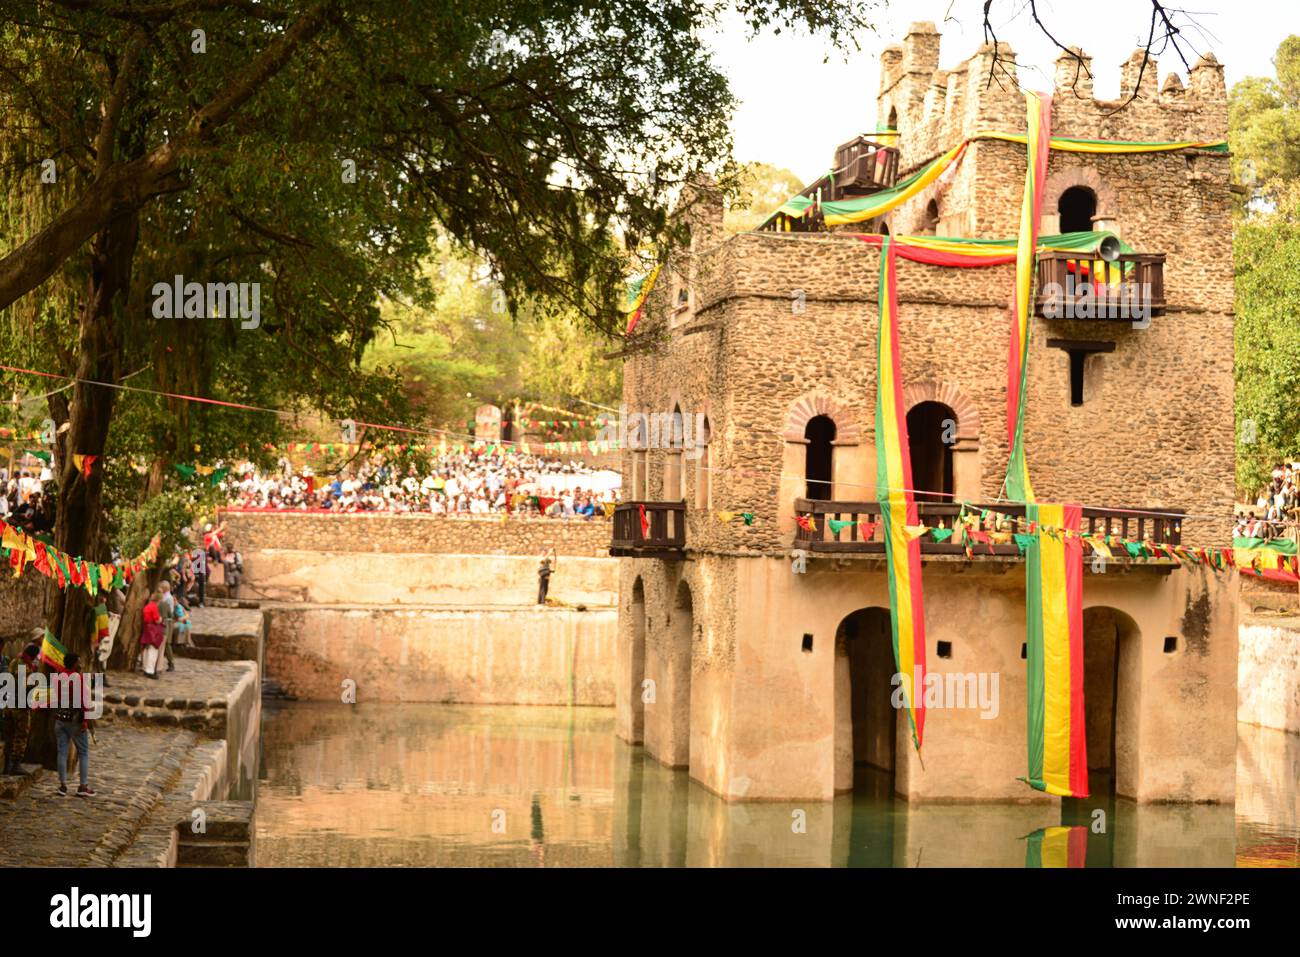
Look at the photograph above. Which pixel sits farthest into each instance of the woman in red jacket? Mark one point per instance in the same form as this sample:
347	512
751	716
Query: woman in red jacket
152	635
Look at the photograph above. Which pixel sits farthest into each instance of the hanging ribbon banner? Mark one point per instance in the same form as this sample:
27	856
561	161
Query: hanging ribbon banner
897	503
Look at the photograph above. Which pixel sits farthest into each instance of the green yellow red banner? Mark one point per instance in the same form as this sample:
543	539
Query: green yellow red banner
897	502
1058	757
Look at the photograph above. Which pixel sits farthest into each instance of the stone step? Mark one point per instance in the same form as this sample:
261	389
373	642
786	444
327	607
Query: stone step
223	822
201	652
234	602
12	785
213	854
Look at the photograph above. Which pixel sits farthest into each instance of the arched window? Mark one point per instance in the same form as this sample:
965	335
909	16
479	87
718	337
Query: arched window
931	433
703	470
1077	206
930	224
820	433
893	118
673	491
638	441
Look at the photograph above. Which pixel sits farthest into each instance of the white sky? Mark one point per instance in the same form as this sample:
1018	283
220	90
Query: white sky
795	109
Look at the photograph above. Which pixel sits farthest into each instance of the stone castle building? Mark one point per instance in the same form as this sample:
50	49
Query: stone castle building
774	685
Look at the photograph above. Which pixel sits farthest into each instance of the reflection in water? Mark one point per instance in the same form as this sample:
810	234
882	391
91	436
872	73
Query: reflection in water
447	785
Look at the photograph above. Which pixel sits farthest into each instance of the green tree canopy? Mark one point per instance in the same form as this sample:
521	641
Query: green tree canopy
761	189
1264	126
312	147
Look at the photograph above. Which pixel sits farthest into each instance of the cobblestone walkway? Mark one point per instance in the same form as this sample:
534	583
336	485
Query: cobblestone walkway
140	769
130	768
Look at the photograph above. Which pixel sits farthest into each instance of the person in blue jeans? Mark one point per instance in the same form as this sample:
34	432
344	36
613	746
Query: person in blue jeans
71	724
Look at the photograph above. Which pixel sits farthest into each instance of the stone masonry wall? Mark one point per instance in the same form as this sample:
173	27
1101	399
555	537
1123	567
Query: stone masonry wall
254	531
21	607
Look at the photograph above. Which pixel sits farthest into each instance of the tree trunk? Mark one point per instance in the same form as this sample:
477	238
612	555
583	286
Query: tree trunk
90	410
78	517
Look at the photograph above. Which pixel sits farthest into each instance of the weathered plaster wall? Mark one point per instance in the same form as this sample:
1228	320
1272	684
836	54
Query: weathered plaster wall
766	715
534	656
1268	692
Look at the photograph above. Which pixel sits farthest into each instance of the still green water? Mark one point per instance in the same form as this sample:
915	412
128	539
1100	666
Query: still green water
447	785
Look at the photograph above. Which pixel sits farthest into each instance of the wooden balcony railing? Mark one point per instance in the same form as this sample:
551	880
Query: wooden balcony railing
664	538
1164	527
862	166
1131	286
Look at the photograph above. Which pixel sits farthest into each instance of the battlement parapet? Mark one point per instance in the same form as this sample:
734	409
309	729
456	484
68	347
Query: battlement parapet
933	109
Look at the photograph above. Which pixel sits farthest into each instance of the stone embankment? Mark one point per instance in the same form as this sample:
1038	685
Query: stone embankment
426	608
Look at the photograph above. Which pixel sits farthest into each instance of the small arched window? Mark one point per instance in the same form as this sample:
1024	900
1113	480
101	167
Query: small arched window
1077	206
893	118
930	223
819	460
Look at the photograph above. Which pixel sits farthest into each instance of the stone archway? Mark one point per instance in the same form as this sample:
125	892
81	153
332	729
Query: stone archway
1066	178
847	429
965	431
845	470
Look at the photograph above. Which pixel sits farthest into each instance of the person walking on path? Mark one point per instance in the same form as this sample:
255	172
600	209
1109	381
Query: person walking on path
167	608
544	570
70	693
152	635
18	720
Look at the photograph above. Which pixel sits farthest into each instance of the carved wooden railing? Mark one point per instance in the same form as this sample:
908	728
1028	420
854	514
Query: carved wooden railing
862	166
1134	282
665	536
1164	527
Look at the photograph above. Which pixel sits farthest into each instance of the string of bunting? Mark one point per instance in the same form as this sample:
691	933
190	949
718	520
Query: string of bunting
21	549
593	446
975	527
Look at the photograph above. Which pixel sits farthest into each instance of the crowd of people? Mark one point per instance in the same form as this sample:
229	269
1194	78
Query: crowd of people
474	482
1276	507
23	499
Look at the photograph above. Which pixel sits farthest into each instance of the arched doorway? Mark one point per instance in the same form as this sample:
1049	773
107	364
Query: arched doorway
1111	668
636	727
1110	700
819	458
1077	206
681	631
865	718
931	433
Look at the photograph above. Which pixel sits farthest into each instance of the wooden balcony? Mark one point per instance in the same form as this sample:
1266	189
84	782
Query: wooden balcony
664	538
1164	527
1130	287
862	166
